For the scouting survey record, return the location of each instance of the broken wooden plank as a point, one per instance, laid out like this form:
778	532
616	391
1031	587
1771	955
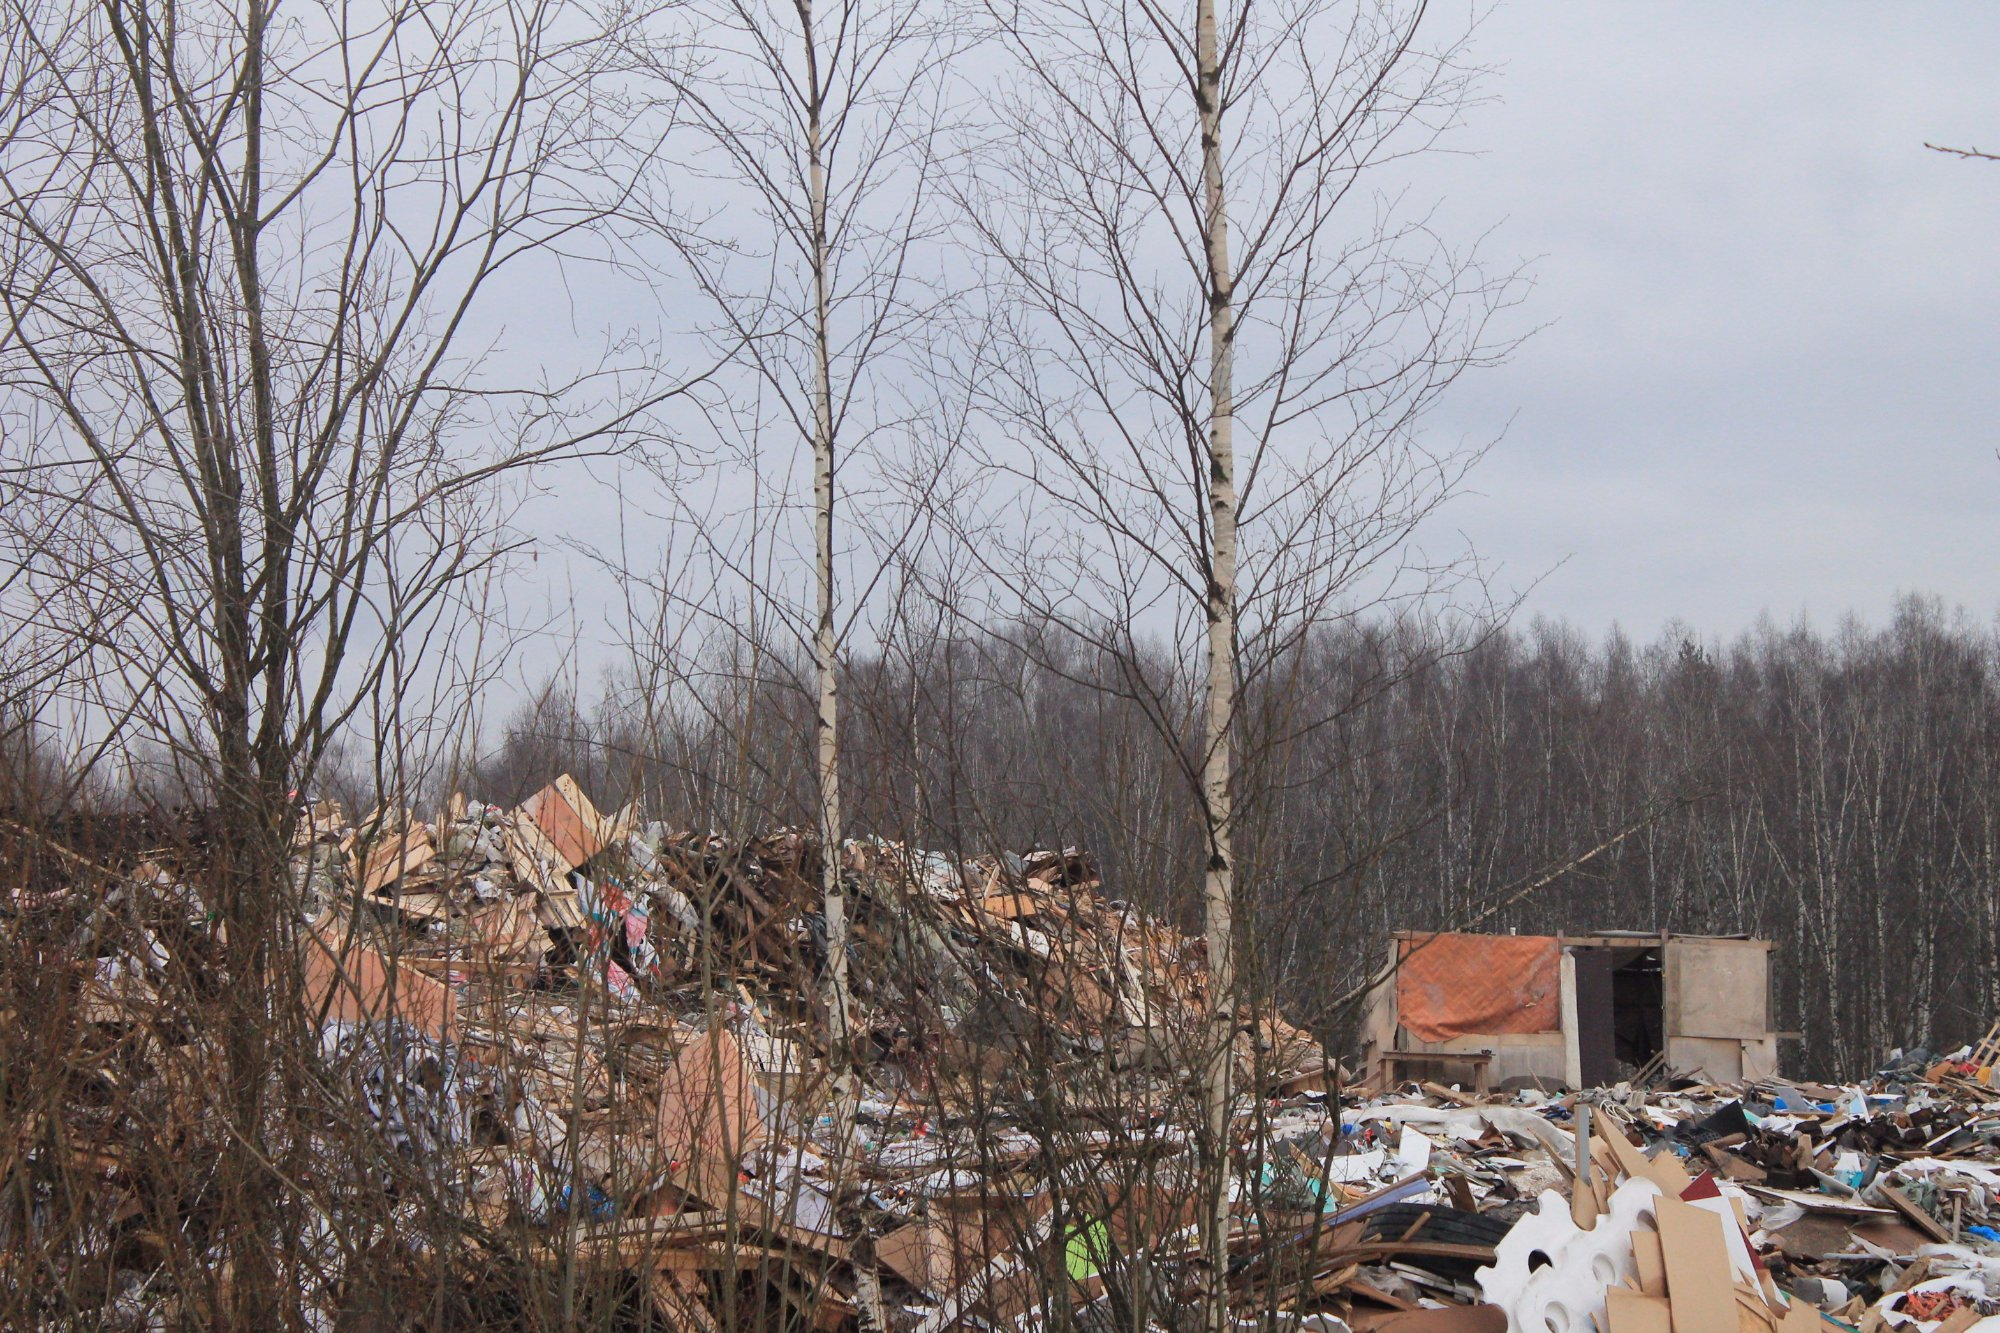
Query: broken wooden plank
1917	1217
395	856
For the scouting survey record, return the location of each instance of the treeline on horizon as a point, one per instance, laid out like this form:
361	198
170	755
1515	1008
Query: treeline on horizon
1829	789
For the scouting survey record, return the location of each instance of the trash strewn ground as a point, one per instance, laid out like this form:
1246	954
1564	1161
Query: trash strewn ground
607	1043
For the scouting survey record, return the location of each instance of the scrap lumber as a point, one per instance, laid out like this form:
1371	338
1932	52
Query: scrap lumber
392	857
1916	1216
667	1058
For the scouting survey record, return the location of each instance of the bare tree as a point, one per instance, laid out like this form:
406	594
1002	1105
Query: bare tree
1181	221
815	128
259	417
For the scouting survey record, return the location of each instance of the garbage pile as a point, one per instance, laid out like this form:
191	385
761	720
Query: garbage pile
1774	1205
609	1043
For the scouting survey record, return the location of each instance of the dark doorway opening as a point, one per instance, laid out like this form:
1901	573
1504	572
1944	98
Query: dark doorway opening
1638	1006
1619	1010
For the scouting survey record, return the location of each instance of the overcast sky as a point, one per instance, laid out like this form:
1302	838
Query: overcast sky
1765	381
1769	377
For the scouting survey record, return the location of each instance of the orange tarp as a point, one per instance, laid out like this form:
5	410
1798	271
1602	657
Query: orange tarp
1465	985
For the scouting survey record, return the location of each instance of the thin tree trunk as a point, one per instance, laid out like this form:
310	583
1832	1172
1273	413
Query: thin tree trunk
826	662
825	644
257	806
1219	883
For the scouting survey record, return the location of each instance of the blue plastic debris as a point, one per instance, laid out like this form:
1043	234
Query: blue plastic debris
602	1205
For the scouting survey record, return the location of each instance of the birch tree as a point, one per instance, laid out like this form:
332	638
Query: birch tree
1211	356
258	414
815	125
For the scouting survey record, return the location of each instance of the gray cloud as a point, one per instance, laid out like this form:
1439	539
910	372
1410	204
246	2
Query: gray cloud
1769	381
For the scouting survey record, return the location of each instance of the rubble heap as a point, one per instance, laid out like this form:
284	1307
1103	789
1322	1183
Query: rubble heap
606	1045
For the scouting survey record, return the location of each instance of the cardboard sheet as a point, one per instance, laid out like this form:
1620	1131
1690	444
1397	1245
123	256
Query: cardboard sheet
1630	1311
360	985
1699	1286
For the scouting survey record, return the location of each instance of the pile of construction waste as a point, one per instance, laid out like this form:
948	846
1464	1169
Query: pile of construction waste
1776	1206
612	1041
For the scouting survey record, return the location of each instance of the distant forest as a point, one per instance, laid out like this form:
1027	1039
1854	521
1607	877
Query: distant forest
1832	790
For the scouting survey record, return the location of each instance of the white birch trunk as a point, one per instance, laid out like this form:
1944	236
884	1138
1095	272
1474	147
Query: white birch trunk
1218	890
826	664
826	647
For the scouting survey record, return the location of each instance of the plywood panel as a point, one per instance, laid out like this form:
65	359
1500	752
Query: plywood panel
1760	1058
1717	1059
347	980
1379	1027
1717	988
708	1117
1524	1055
1633	1312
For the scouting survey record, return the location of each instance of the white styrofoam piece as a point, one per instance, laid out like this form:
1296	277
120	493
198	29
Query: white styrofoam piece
1413	1152
1562	1291
1354	1167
